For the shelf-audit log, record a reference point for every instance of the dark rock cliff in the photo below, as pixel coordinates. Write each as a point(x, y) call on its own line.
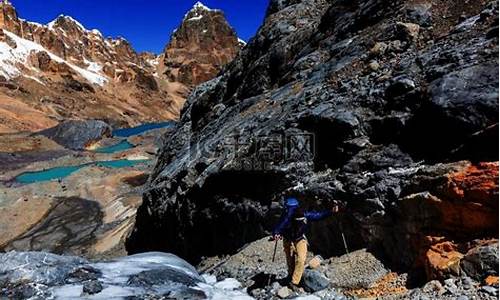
point(388, 106)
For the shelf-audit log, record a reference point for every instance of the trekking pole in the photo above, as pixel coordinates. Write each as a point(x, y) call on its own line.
point(275, 247)
point(274, 257)
point(345, 244)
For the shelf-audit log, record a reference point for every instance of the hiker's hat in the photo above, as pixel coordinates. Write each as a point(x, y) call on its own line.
point(291, 202)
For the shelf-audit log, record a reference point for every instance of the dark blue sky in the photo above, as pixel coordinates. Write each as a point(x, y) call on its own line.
point(147, 24)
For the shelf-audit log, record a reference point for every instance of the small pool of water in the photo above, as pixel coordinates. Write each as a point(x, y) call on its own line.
point(122, 163)
point(121, 146)
point(127, 132)
point(62, 172)
point(47, 175)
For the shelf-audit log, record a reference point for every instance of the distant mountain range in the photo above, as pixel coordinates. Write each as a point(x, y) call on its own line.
point(61, 70)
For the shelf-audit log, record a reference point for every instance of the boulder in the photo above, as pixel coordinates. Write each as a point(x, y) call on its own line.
point(284, 292)
point(443, 261)
point(481, 261)
point(315, 262)
point(358, 269)
point(420, 13)
point(408, 31)
point(462, 97)
point(399, 86)
point(374, 65)
point(92, 287)
point(493, 291)
point(314, 281)
point(78, 134)
point(491, 280)
point(379, 49)
point(434, 287)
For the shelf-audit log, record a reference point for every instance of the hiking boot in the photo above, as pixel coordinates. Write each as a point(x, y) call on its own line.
point(285, 281)
point(295, 288)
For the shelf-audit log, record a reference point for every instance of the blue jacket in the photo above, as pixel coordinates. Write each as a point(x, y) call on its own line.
point(284, 227)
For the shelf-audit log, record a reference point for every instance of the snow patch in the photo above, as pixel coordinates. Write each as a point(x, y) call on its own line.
point(309, 297)
point(32, 23)
point(106, 41)
point(35, 79)
point(195, 18)
point(68, 18)
point(242, 42)
point(8, 68)
point(153, 62)
point(224, 290)
point(210, 279)
point(198, 9)
point(119, 270)
point(96, 32)
point(10, 57)
point(228, 284)
point(199, 5)
point(93, 66)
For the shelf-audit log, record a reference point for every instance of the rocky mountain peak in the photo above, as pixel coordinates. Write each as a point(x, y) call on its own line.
point(199, 48)
point(65, 63)
point(67, 23)
point(197, 10)
point(5, 4)
point(8, 14)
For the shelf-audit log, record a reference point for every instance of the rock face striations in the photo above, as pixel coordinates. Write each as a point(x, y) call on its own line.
point(200, 47)
point(64, 71)
point(388, 106)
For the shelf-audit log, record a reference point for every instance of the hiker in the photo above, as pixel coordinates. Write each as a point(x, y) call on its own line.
point(292, 228)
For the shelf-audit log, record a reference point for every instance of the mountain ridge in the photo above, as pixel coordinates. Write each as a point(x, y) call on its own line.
point(80, 74)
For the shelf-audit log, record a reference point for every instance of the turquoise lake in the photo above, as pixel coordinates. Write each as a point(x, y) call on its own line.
point(128, 132)
point(61, 172)
point(121, 146)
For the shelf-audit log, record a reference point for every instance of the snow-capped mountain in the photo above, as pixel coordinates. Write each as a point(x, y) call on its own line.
point(63, 70)
point(200, 47)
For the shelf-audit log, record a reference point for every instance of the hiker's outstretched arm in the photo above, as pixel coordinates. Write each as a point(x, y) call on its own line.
point(317, 215)
point(284, 221)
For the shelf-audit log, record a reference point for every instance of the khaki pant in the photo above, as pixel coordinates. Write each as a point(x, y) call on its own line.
point(296, 254)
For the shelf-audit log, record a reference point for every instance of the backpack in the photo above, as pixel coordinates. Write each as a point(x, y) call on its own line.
point(298, 225)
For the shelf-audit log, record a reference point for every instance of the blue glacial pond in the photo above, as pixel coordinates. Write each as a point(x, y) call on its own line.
point(61, 172)
point(121, 146)
point(128, 132)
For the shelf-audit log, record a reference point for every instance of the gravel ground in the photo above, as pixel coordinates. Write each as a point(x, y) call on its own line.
point(359, 275)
